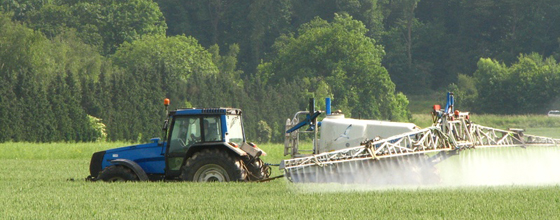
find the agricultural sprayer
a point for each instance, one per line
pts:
(379, 152)
(209, 144)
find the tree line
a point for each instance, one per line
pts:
(86, 70)
(531, 85)
(427, 43)
(64, 89)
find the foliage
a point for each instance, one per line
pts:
(103, 23)
(465, 92)
(151, 69)
(255, 25)
(62, 60)
(427, 43)
(530, 85)
(264, 132)
(41, 94)
(348, 62)
(179, 56)
(98, 127)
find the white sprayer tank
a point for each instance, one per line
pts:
(338, 132)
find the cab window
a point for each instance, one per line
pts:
(235, 129)
(212, 129)
(186, 132)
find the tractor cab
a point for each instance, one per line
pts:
(194, 129)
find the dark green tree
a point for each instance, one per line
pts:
(174, 58)
(102, 23)
(531, 85)
(59, 106)
(38, 119)
(339, 54)
(11, 119)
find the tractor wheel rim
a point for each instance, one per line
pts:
(211, 173)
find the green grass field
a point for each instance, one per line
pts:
(34, 184)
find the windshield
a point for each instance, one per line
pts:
(235, 129)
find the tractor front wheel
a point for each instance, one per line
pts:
(117, 174)
(213, 165)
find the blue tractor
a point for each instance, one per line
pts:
(201, 144)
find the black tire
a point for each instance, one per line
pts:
(213, 165)
(117, 174)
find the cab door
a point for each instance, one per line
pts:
(185, 132)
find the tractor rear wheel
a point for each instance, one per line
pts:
(117, 174)
(213, 165)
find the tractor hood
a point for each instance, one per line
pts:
(154, 143)
(149, 156)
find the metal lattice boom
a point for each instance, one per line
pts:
(444, 136)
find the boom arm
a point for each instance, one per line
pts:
(309, 120)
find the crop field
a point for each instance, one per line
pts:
(46, 181)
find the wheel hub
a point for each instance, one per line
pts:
(211, 173)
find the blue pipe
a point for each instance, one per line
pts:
(450, 103)
(328, 103)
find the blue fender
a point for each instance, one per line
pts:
(137, 169)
